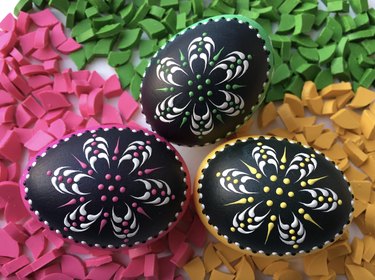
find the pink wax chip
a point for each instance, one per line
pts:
(3, 172)
(24, 272)
(44, 18)
(52, 100)
(9, 247)
(82, 104)
(8, 23)
(51, 66)
(159, 245)
(112, 87)
(15, 210)
(14, 265)
(69, 46)
(44, 88)
(45, 54)
(72, 121)
(55, 239)
(8, 86)
(51, 116)
(96, 262)
(138, 251)
(39, 140)
(36, 244)
(33, 106)
(50, 269)
(57, 128)
(56, 276)
(4, 260)
(119, 274)
(32, 69)
(23, 22)
(41, 38)
(26, 42)
(96, 80)
(72, 266)
(175, 239)
(23, 117)
(57, 35)
(92, 123)
(135, 268)
(18, 56)
(74, 248)
(46, 259)
(15, 231)
(4, 66)
(95, 102)
(39, 81)
(19, 82)
(7, 114)
(10, 147)
(151, 267)
(182, 255)
(32, 225)
(12, 63)
(127, 105)
(81, 87)
(166, 269)
(103, 272)
(6, 98)
(7, 41)
(110, 115)
(197, 233)
(14, 172)
(62, 83)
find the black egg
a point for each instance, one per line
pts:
(207, 80)
(108, 187)
(272, 196)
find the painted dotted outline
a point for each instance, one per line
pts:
(66, 139)
(315, 248)
(261, 96)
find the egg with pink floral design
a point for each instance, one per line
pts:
(108, 187)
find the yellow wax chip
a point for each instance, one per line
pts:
(355, 272)
(325, 140)
(267, 115)
(361, 190)
(346, 118)
(357, 250)
(335, 90)
(301, 139)
(329, 107)
(331, 276)
(218, 275)
(370, 218)
(359, 207)
(210, 259)
(315, 105)
(309, 91)
(353, 174)
(369, 145)
(281, 132)
(369, 248)
(275, 266)
(195, 268)
(361, 224)
(369, 166)
(337, 265)
(343, 164)
(244, 270)
(262, 262)
(287, 274)
(316, 264)
(356, 155)
(306, 121)
(363, 97)
(312, 132)
(229, 254)
(338, 249)
(336, 152)
(295, 104)
(344, 99)
(286, 115)
(367, 123)
(369, 266)
(226, 262)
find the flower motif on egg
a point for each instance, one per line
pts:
(207, 76)
(268, 189)
(113, 197)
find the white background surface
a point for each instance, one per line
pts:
(192, 156)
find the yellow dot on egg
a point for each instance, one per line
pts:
(303, 184)
(235, 181)
(259, 144)
(321, 198)
(273, 218)
(249, 220)
(307, 159)
(286, 181)
(295, 246)
(269, 203)
(339, 202)
(283, 205)
(292, 231)
(302, 164)
(312, 155)
(301, 210)
(290, 194)
(264, 157)
(330, 199)
(282, 167)
(273, 178)
(228, 178)
(258, 175)
(266, 189)
(250, 199)
(262, 151)
(242, 225)
(218, 174)
(232, 229)
(293, 238)
(279, 191)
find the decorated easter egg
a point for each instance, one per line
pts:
(272, 196)
(108, 187)
(207, 80)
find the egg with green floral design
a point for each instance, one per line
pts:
(208, 80)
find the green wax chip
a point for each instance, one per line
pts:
(369, 46)
(101, 21)
(343, 47)
(355, 69)
(266, 24)
(117, 5)
(162, 42)
(310, 54)
(249, 14)
(295, 86)
(170, 20)
(128, 12)
(197, 6)
(304, 41)
(208, 12)
(326, 54)
(86, 35)
(129, 38)
(281, 73)
(359, 6)
(153, 28)
(371, 14)
(277, 40)
(277, 60)
(242, 5)
(23, 5)
(157, 12)
(275, 93)
(117, 58)
(288, 6)
(109, 30)
(222, 7)
(140, 14)
(81, 8)
(308, 71)
(363, 34)
(296, 61)
(169, 3)
(268, 13)
(104, 46)
(102, 6)
(141, 67)
(41, 4)
(61, 5)
(147, 48)
(285, 50)
(70, 15)
(125, 73)
(185, 7)
(80, 27)
(88, 49)
(368, 78)
(307, 7)
(323, 79)
(339, 68)
(365, 61)
(320, 18)
(135, 86)
(91, 12)
(338, 6)
(79, 58)
(324, 36)
(303, 23)
(336, 28)
(287, 23)
(180, 21)
(347, 23)
(362, 20)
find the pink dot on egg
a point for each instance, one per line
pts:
(74, 224)
(108, 176)
(118, 178)
(115, 199)
(94, 135)
(163, 193)
(100, 186)
(82, 199)
(148, 142)
(126, 240)
(122, 189)
(82, 218)
(135, 154)
(96, 152)
(134, 204)
(126, 231)
(90, 172)
(49, 173)
(93, 144)
(65, 229)
(69, 181)
(111, 188)
(141, 148)
(140, 173)
(125, 223)
(103, 198)
(173, 197)
(106, 214)
(60, 178)
(154, 191)
(114, 158)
